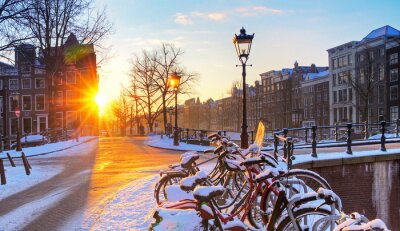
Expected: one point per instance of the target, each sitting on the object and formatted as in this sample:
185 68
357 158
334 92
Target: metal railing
342 134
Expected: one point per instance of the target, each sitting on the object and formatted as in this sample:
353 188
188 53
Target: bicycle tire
310 179
285 224
159 190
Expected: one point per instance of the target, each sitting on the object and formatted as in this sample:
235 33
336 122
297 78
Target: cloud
214 16
252 11
182 19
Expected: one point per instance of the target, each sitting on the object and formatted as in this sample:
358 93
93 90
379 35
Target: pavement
89 181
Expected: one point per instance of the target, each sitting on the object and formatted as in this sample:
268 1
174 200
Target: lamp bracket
247 65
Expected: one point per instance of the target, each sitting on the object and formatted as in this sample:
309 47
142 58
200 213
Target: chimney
313 68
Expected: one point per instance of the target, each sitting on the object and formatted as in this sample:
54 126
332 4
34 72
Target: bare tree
10 13
167 60
369 77
144 87
121 110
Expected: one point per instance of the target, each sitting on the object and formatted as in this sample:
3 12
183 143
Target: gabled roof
386 31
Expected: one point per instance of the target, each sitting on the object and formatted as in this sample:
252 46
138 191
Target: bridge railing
339 135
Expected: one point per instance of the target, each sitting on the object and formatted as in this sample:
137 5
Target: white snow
178 219
33 138
175 193
158 142
18 181
17 218
48 148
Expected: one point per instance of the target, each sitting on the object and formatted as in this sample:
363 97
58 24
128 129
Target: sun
101 101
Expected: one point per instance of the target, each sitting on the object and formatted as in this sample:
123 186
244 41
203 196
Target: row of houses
63 100
360 84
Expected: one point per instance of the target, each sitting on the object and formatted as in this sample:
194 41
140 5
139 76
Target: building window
25 67
71 97
350 114
26 83
394 113
381 111
361 71
39 83
27 125
59 119
13 126
71 77
26 102
39 99
334 79
394 75
350 94
59 98
381 51
1 84
71 120
371 55
13 84
335 115
14 102
335 96
381 94
394 58
381 72
1 104
394 92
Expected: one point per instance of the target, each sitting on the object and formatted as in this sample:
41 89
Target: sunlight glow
101 101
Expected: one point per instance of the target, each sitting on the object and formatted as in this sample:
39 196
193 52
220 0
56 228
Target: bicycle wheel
302 181
293 182
160 193
304 217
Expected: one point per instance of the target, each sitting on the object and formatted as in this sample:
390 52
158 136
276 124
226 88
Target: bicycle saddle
188 160
189 183
267 174
206 193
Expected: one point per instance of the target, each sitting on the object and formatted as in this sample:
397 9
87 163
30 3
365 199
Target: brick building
68 97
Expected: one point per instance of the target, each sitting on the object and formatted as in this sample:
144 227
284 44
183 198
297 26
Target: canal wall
368 184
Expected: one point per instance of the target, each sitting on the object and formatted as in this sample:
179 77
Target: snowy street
103 184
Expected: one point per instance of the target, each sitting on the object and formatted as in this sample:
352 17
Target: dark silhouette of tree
167 58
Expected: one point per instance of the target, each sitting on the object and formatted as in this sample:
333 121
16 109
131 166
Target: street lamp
243 43
173 82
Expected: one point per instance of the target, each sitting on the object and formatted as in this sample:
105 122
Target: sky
285 31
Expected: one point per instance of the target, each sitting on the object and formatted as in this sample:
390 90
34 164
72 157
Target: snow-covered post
383 139
10 159
306 135
252 136
2 173
336 132
397 127
285 146
314 141
349 151
276 143
27 166
365 130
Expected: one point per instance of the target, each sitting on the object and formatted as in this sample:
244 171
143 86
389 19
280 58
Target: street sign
17 111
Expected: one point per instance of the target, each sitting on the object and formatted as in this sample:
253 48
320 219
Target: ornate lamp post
243 43
173 82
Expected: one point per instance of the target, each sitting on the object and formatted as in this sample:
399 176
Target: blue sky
285 31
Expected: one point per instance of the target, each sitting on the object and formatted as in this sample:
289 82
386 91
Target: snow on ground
158 142
48 148
18 181
131 208
17 218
